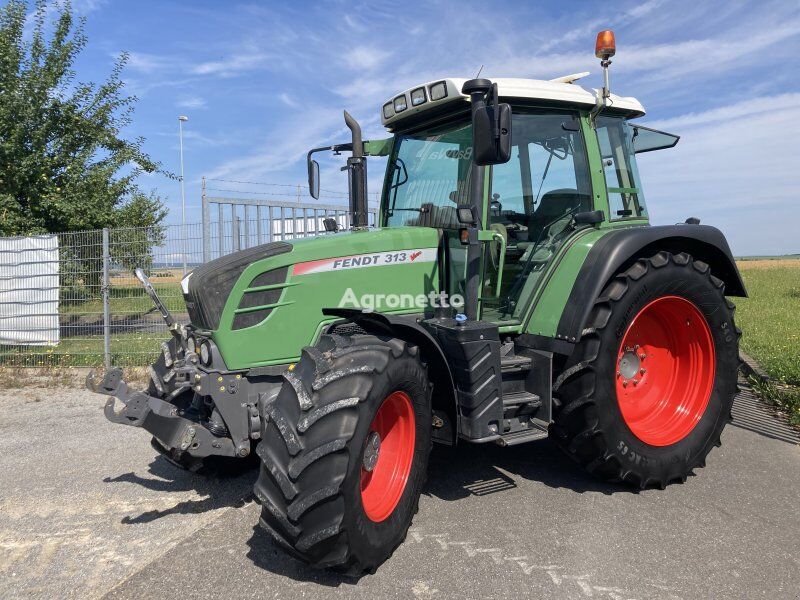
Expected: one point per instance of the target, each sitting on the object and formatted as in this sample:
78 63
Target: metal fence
71 299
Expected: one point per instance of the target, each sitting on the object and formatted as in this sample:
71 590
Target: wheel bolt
642 371
642 356
624 383
635 381
619 373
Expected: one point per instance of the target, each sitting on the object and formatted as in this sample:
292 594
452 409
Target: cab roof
558 91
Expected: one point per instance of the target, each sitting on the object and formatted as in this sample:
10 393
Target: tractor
511 289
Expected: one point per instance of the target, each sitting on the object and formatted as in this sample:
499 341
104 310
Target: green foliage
64 165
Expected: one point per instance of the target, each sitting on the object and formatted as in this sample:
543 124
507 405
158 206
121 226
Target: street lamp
181 120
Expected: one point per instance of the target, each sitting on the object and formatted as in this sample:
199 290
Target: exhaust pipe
357 176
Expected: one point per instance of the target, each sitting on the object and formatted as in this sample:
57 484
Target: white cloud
148 63
365 58
287 100
232 65
736 167
193 102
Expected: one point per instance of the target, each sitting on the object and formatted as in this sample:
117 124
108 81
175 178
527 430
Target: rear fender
619 249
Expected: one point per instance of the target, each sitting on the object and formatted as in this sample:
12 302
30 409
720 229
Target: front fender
407 327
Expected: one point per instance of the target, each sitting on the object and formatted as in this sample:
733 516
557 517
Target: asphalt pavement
88 509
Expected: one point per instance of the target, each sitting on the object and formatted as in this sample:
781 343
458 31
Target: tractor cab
569 170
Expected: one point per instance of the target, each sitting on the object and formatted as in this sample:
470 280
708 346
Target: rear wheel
651 383
345 450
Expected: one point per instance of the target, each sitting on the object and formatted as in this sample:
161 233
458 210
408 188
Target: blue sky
262 82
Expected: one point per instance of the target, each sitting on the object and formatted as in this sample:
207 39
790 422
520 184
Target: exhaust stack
357 176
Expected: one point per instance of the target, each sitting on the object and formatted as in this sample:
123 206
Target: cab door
532 200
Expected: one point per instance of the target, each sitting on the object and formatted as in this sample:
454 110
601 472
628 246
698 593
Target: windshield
427 176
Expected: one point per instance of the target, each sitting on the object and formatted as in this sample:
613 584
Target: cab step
515 364
520 398
537 432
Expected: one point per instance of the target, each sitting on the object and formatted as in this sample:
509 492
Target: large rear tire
345 451
651 383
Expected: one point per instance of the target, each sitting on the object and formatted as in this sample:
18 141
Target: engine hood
263 304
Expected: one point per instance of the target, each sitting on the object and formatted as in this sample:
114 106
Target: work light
400 104
388 110
418 97
439 90
205 353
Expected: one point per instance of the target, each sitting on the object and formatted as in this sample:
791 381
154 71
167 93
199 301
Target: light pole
181 120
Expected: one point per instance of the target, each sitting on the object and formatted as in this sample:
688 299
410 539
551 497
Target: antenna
479 72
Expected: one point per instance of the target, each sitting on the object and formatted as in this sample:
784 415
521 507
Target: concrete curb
750 368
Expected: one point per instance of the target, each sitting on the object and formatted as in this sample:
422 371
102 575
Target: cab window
616 138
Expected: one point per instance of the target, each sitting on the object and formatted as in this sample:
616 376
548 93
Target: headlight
439 90
388 110
418 97
191 344
205 353
185 284
400 104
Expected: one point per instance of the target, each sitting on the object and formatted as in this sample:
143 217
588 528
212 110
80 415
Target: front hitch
177 434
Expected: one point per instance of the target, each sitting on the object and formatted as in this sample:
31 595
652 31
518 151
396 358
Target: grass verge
770 323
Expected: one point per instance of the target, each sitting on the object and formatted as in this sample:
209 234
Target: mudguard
407 327
620 248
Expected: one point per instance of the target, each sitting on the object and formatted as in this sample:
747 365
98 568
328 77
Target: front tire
345 451
651 383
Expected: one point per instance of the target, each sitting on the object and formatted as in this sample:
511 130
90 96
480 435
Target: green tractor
512 289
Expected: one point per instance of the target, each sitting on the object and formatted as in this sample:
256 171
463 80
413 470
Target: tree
64 164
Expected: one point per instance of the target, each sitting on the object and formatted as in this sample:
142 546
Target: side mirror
491 134
313 178
593 217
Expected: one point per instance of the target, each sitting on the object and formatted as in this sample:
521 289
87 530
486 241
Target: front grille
211 284
250 299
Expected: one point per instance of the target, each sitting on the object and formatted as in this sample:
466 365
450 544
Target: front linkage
192 410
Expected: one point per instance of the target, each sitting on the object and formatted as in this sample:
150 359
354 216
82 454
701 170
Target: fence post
206 226
106 308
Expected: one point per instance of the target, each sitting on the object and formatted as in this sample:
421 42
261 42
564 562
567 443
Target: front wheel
345 451
650 385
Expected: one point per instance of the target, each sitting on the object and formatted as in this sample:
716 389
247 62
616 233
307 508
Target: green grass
770 323
128 300
127 349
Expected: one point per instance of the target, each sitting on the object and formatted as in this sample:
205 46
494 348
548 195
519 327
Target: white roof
508 87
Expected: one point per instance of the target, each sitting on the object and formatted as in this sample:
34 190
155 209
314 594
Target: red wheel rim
665 371
383 481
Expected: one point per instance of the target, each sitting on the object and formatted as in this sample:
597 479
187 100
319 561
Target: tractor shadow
453 475
222 484
480 470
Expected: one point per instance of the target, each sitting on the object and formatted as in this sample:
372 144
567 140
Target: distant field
770 323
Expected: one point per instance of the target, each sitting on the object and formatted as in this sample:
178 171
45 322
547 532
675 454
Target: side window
625 198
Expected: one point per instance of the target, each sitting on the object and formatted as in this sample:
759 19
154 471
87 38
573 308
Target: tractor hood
263 304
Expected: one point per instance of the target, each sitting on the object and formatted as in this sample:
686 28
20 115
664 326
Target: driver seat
552 205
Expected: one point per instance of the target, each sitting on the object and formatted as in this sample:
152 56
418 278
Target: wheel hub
629 364
371 451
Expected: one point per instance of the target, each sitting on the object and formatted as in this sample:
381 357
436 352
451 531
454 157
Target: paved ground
88 509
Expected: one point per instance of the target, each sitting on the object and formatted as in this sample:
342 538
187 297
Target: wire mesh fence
71 299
